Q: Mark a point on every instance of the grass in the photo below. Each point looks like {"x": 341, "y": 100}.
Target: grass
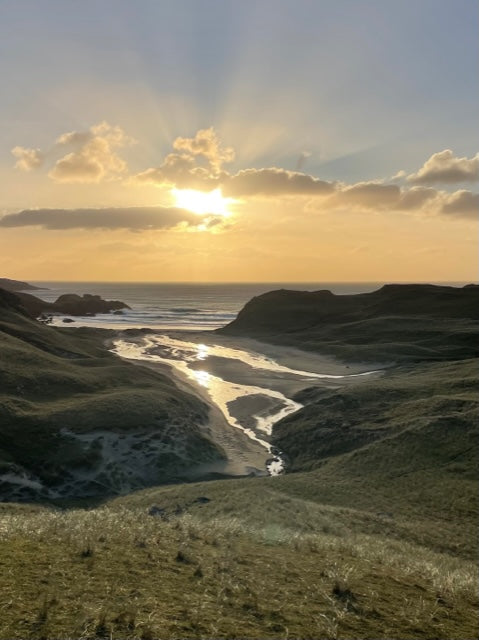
{"x": 52, "y": 380}
{"x": 397, "y": 323}
{"x": 118, "y": 572}
{"x": 406, "y": 446}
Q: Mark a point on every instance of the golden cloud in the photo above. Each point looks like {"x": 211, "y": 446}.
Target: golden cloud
{"x": 27, "y": 159}
{"x": 197, "y": 162}
{"x": 444, "y": 167}
{"x": 91, "y": 155}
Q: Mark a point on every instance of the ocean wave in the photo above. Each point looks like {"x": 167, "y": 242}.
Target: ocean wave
{"x": 153, "y": 318}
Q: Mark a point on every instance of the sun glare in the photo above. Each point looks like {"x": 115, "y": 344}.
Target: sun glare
{"x": 202, "y": 202}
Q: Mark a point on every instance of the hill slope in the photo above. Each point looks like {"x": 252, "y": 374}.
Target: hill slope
{"x": 16, "y": 285}
{"x": 77, "y": 420}
{"x": 395, "y": 323}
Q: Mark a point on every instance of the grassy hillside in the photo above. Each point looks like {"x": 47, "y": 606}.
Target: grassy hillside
{"x": 233, "y": 559}
{"x": 72, "y": 414}
{"x": 397, "y": 323}
{"x": 437, "y": 402}
{"x": 378, "y": 540}
{"x": 16, "y": 285}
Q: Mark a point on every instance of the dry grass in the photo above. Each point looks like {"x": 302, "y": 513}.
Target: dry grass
{"x": 118, "y": 572}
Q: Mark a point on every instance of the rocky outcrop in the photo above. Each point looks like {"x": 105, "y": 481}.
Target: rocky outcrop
{"x": 69, "y": 304}
{"x": 75, "y": 305}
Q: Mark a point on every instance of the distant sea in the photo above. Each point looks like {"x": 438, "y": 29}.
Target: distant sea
{"x": 182, "y": 305}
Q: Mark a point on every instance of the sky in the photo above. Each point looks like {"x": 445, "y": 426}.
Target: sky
{"x": 218, "y": 140}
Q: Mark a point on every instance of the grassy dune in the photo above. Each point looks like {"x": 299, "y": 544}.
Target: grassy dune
{"x": 397, "y": 323}
{"x": 58, "y": 386}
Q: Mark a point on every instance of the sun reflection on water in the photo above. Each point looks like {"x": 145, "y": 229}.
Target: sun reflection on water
{"x": 202, "y": 377}
{"x": 202, "y": 352}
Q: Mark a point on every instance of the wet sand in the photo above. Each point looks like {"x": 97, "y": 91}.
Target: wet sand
{"x": 268, "y": 375}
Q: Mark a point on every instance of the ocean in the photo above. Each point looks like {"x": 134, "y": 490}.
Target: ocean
{"x": 184, "y": 306}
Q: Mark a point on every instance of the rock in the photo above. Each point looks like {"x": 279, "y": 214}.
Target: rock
{"x": 68, "y": 320}
{"x": 87, "y": 304}
{"x": 157, "y": 511}
{"x": 68, "y": 304}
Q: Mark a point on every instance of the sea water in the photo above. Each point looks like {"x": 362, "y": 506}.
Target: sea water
{"x": 188, "y": 306}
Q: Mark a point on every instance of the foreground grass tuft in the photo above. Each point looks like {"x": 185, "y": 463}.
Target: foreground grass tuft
{"x": 193, "y": 577}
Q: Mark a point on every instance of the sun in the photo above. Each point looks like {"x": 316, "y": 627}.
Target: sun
{"x": 202, "y": 202}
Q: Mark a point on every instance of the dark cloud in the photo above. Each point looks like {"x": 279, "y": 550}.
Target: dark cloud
{"x": 463, "y": 204}
{"x": 180, "y": 171}
{"x": 415, "y": 198}
{"x": 273, "y": 182}
{"x": 133, "y": 218}
{"x": 443, "y": 167}
{"x": 371, "y": 195}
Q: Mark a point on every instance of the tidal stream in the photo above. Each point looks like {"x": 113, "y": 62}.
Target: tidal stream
{"x": 224, "y": 374}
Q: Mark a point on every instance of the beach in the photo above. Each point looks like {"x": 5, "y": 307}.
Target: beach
{"x": 248, "y": 386}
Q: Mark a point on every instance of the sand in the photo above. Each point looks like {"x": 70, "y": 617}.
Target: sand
{"x": 242, "y": 437}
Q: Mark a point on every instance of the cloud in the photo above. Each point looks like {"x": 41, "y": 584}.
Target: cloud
{"x": 398, "y": 176}
{"x": 77, "y": 167}
{"x": 198, "y": 165}
{"x": 273, "y": 182}
{"x": 85, "y": 156}
{"x": 197, "y": 162}
{"x": 27, "y": 159}
{"x": 415, "y": 198}
{"x": 181, "y": 171}
{"x": 463, "y": 204}
{"x": 369, "y": 195}
{"x": 443, "y": 167}
{"x": 206, "y": 143}
{"x": 95, "y": 158}
{"x": 133, "y": 218}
